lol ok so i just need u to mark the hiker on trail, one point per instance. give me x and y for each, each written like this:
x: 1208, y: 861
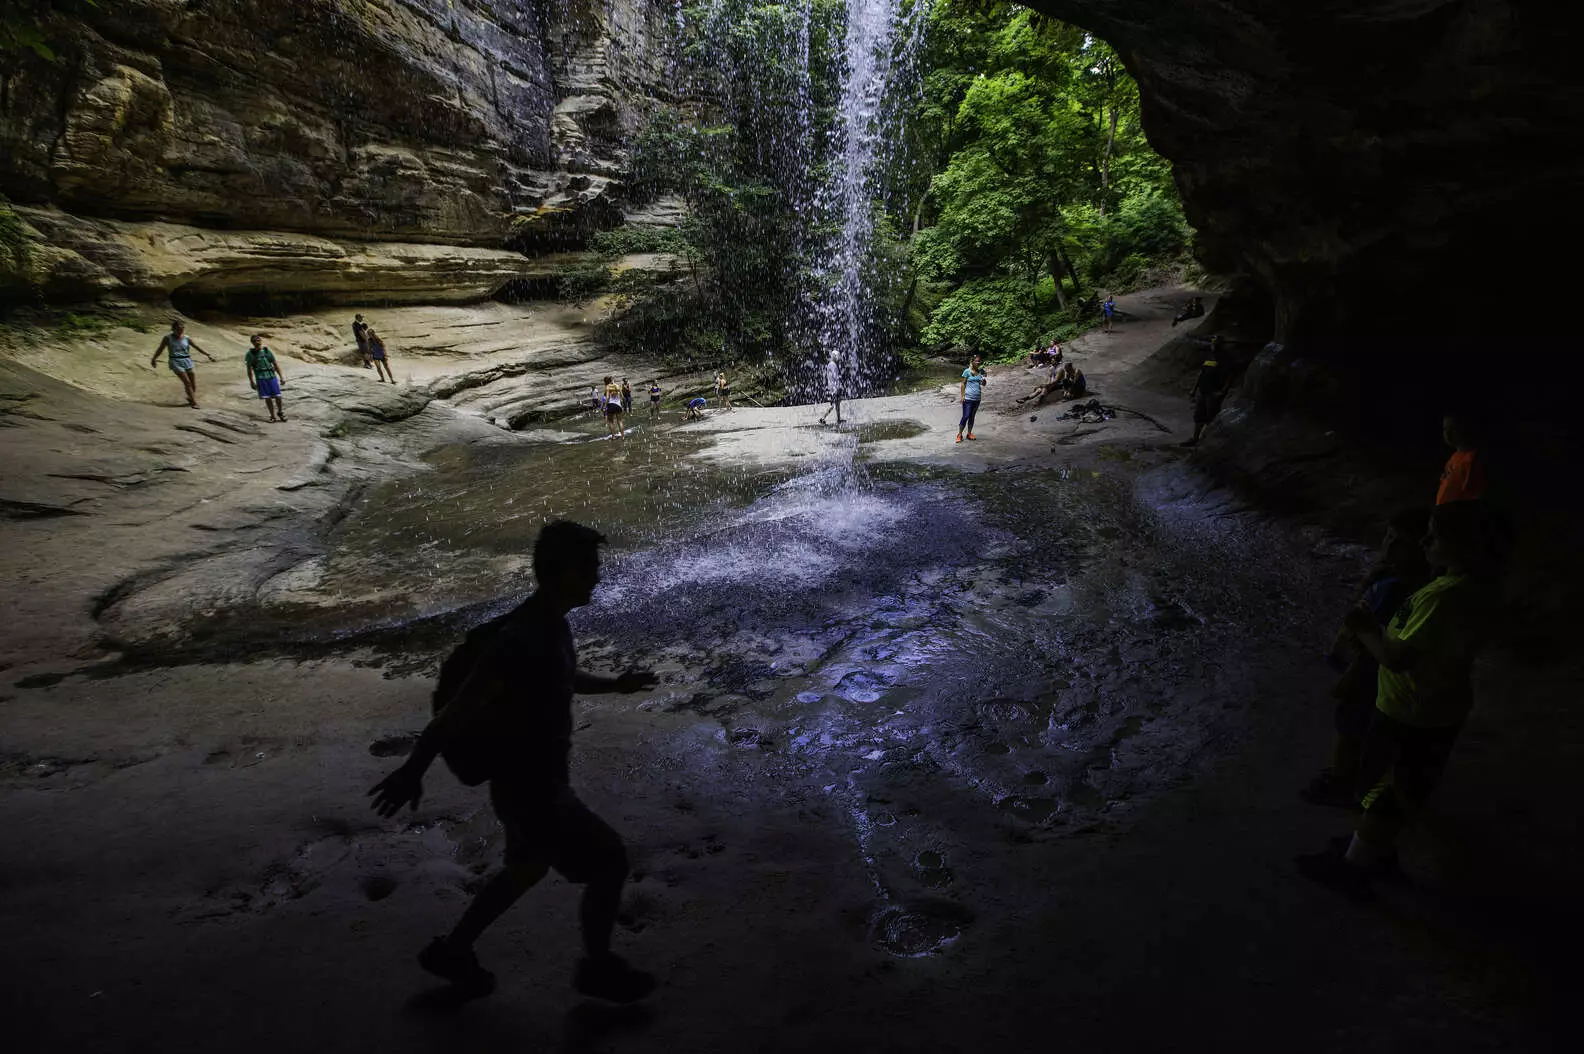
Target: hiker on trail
x: 380, y: 356
x: 695, y: 408
x: 509, y: 720
x: 265, y: 377
x: 1108, y: 313
x: 1209, y: 389
x: 654, y: 398
x: 360, y: 334
x: 723, y: 389
x: 626, y: 396
x: 970, y: 392
x: 1193, y: 309
x: 1423, y: 691
x: 1400, y: 572
x: 613, y: 409
x: 834, y: 407
x: 1463, y: 478
x: 178, y: 348
x: 596, y: 401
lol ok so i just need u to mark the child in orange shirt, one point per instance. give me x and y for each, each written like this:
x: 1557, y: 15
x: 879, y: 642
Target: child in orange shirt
x: 1463, y: 478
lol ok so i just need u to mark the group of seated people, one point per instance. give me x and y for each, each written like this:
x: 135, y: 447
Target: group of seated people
x: 1066, y: 382
x: 1051, y: 356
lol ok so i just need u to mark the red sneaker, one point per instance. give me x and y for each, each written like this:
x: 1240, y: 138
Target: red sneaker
x: 959, y: 437
x: 970, y: 435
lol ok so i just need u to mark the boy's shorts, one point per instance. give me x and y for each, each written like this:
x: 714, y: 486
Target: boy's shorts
x: 550, y: 827
x: 269, y: 388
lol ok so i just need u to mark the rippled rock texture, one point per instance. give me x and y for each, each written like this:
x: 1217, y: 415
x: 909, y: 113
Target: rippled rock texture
x: 386, y: 120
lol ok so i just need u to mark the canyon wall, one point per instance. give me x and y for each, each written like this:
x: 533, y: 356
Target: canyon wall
x: 450, y: 122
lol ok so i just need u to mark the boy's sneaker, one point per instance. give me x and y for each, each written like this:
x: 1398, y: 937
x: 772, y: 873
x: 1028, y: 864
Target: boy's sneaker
x: 461, y: 968
x: 959, y: 438
x: 970, y: 435
x: 609, y: 977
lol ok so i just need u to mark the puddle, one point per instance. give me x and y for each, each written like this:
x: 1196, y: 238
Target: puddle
x: 920, y: 928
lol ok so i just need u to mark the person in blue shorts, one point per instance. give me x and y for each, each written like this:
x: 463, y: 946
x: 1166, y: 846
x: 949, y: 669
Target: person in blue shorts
x: 178, y: 347
x: 1108, y: 313
x: 654, y: 398
x: 695, y: 408
x: 972, y: 390
x: 265, y: 377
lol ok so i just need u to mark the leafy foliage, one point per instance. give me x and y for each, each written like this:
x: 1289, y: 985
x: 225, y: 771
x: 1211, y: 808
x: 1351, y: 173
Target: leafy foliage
x: 1042, y: 180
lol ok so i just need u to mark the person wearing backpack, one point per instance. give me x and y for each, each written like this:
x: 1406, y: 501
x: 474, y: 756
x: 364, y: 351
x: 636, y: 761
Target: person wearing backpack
x: 509, y: 721
x: 265, y: 377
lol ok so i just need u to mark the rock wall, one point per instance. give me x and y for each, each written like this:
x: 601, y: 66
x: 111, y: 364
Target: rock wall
x: 438, y: 121
x: 1386, y: 172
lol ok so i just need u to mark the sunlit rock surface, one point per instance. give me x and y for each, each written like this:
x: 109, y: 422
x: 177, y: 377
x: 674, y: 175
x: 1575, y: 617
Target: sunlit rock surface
x: 393, y: 120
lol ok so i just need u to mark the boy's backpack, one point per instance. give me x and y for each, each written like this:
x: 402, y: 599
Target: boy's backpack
x: 470, y: 754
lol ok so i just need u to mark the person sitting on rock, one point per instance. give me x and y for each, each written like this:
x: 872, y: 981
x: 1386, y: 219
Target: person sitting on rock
x: 360, y: 334
x: 265, y: 377
x: 1052, y: 386
x: 1193, y: 309
x: 178, y: 348
x: 380, y: 357
x: 1072, y: 383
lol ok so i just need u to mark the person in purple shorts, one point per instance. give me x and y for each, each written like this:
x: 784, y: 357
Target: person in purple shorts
x: 264, y: 377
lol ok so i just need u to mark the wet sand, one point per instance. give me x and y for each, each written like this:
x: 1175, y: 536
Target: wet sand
x: 998, y: 749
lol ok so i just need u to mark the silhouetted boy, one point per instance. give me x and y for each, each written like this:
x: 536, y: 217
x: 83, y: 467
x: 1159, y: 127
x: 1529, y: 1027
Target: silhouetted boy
x: 517, y: 706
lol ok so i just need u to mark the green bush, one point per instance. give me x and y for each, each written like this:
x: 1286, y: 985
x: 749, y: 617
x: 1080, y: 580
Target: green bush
x: 15, y: 252
x: 626, y: 240
x: 582, y: 281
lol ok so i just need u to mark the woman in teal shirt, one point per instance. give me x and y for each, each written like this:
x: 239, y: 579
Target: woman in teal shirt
x: 973, y: 382
x: 178, y: 347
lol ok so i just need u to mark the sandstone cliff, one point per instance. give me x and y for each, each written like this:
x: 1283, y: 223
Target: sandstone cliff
x: 436, y: 121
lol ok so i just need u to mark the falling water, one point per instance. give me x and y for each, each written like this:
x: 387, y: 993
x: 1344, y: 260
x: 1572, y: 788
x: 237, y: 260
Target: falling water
x: 831, y: 163
x: 881, y: 40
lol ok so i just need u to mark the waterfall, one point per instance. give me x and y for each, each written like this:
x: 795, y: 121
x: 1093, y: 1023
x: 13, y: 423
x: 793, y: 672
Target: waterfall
x: 820, y: 89
x: 881, y: 40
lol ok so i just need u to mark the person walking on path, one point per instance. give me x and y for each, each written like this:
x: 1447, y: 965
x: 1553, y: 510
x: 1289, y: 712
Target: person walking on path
x: 360, y: 334
x: 1424, y: 691
x: 265, y: 377
x: 613, y: 408
x: 654, y: 398
x: 626, y: 396
x: 178, y: 348
x: 511, y: 716
x: 723, y: 389
x: 1108, y: 313
x: 1208, y: 390
x: 380, y: 356
x: 971, y: 391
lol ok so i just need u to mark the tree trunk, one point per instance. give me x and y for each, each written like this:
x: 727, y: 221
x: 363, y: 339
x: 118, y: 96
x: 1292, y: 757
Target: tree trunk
x: 1105, y: 159
x: 1067, y: 263
x: 1056, y: 275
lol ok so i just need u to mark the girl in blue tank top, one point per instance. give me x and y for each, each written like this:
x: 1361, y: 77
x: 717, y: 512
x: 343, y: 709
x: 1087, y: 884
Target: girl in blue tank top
x: 178, y: 347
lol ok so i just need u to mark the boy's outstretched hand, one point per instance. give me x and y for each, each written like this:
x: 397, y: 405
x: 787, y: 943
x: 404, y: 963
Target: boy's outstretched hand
x: 635, y: 681
x: 402, y: 787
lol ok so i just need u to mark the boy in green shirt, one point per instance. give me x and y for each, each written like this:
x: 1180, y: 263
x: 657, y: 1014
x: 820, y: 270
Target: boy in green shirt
x: 1423, y: 693
x: 264, y: 377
